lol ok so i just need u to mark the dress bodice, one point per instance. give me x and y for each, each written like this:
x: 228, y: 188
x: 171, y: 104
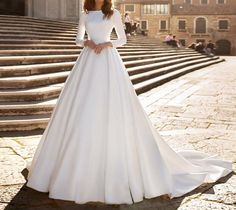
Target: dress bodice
x: 99, y: 29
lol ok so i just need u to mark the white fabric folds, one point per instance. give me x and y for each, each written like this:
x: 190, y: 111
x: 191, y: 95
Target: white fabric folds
x: 100, y: 144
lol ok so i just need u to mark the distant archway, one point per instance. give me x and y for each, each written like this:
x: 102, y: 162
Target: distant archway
x: 200, y: 25
x: 223, y: 47
x: 12, y: 7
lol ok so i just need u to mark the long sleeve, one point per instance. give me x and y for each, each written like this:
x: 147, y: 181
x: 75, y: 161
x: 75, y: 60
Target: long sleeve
x: 117, y: 20
x: 81, y: 30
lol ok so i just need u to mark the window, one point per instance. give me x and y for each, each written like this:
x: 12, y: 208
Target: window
x: 155, y: 9
x: 129, y: 8
x: 200, y: 25
x: 188, y: 2
x: 162, y: 9
x: 204, y: 1
x: 223, y: 24
x: 182, y: 25
x: 220, y: 1
x: 149, y: 9
x: 144, y: 24
x: 163, y: 25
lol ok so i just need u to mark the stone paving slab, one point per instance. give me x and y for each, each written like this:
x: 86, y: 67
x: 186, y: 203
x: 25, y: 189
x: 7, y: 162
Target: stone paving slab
x: 196, y: 111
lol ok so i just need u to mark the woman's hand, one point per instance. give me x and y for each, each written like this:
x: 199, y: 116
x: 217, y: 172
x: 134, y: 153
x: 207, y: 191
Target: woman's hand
x: 90, y: 43
x: 99, y: 47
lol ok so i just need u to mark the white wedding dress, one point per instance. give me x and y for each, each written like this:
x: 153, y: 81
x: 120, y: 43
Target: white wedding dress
x: 100, y: 145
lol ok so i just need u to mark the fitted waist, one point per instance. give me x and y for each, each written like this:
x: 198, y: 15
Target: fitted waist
x: 98, y: 41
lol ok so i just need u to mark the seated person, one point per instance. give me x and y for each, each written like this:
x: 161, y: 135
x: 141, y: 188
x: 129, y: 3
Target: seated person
x: 192, y: 46
x: 200, y: 46
x: 210, y: 48
x: 174, y: 42
x: 168, y: 39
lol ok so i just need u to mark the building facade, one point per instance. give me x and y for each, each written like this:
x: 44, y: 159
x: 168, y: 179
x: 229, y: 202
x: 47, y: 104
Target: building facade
x: 190, y: 20
x: 153, y: 16
x: 52, y: 9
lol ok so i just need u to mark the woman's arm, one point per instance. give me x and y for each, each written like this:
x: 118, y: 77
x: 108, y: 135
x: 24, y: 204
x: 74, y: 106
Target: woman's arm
x: 117, y: 20
x: 80, y: 41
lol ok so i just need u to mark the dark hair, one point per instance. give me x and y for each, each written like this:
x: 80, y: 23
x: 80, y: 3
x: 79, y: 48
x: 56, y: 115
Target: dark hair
x: 89, y: 5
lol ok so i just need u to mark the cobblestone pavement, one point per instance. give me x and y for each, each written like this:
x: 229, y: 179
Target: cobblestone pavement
x: 195, y: 111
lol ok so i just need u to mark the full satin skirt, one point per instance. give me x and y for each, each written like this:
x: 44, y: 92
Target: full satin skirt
x: 101, y: 146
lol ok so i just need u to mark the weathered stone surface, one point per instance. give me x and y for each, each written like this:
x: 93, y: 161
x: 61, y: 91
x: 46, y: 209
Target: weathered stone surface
x: 10, y: 169
x: 17, y: 196
x: 32, y: 141
x: 3, y: 206
x: 222, y: 192
x: 8, y: 143
x: 205, y: 205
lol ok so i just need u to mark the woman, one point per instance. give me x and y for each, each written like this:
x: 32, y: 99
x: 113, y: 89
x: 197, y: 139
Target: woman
x: 128, y: 24
x: 100, y: 145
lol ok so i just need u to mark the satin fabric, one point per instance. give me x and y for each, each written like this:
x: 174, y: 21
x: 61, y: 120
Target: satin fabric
x: 100, y: 144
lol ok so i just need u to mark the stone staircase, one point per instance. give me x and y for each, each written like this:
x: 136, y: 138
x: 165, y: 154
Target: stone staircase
x: 37, y: 55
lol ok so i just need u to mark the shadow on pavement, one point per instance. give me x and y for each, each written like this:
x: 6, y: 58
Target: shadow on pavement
x: 29, y: 199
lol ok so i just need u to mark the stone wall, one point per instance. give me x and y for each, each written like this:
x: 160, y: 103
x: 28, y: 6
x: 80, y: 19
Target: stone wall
x: 152, y: 20
x: 55, y: 9
x: 213, y: 33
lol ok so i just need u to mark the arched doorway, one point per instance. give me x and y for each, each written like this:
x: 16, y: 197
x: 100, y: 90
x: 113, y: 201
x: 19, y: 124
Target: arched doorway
x: 223, y: 47
x: 200, y: 25
x: 12, y: 7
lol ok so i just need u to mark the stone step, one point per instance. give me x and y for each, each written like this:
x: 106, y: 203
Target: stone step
x: 65, y: 44
x: 138, y: 78
x: 26, y: 123
x: 148, y: 67
x: 31, y: 94
x: 24, y: 37
x: 58, y: 77
x: 35, y: 69
x: 163, y: 55
x: 43, y: 32
x: 36, y: 29
x: 45, y: 68
x: 33, y: 80
x: 35, y: 19
x: 21, y: 31
x: 37, y: 41
x: 147, y: 85
x: 24, y: 34
x: 37, y: 59
x: 58, y: 43
x: 35, y: 36
x: 146, y: 61
x: 31, y: 52
x: 43, y: 59
x: 22, y: 40
x: 38, y: 25
x: 52, y: 44
x: 53, y: 90
x: 66, y: 33
x: 27, y: 108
